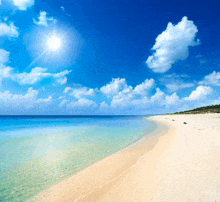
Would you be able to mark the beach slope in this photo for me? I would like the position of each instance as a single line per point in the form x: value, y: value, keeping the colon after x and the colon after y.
x: 179, y: 162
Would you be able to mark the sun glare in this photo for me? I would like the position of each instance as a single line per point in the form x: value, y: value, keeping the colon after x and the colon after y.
x: 54, y: 43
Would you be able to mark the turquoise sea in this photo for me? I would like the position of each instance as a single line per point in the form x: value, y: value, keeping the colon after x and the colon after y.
x: 38, y: 152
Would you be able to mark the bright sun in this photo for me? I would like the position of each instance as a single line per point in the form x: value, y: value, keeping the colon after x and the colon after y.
x: 54, y: 43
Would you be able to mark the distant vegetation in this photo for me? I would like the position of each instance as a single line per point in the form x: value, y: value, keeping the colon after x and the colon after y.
x: 202, y: 110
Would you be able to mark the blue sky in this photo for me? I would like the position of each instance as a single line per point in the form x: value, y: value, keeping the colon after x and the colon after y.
x: 108, y: 57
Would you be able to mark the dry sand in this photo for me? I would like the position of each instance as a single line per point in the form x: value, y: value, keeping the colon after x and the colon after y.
x: 181, y: 162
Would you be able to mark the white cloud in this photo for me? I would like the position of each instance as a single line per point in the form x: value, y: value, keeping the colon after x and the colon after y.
x: 23, y: 4
x: 216, y: 102
x: 23, y: 103
x: 158, y: 96
x: 61, y: 97
x: 211, y: 79
x: 63, y: 73
x: 4, y: 56
x: 172, y: 99
x: 62, y: 81
x: 104, y: 106
x: 43, y: 19
x: 39, y: 73
x: 123, y: 95
x: 80, y: 92
x: 36, y: 74
x: 175, y: 82
x: 172, y: 87
x: 64, y: 10
x: 84, y: 91
x: 82, y: 103
x: 63, y: 102
x: 15, y: 100
x: 47, y: 100
x: 172, y: 45
x: 144, y: 87
x: 200, y: 93
x: 5, y: 72
x: 9, y: 30
x: 114, y: 87
x: 67, y: 90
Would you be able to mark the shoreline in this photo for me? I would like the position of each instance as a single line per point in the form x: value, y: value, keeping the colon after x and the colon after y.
x: 127, y: 156
x: 179, y: 162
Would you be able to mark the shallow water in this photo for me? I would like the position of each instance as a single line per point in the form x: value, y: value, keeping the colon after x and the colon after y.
x: 38, y: 152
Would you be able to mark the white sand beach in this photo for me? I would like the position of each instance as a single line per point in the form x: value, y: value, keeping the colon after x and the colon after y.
x: 179, y: 162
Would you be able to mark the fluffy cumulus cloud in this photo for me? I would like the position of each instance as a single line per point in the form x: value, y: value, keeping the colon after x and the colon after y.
x: 124, y: 96
x: 158, y: 96
x: 172, y: 99
x: 43, y: 19
x: 119, y: 88
x: 144, y: 87
x: 200, y: 93
x: 79, y: 92
x: 24, y: 103
x: 23, y: 4
x: 8, y: 30
x: 145, y: 98
x: 211, y: 79
x: 114, y: 87
x: 173, y: 45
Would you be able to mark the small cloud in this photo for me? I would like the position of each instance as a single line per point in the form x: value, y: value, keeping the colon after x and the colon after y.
x: 104, y: 106
x: 202, y: 62
x: 67, y: 90
x: 200, y: 93
x: 47, y: 100
x: 23, y: 4
x: 172, y: 45
x: 84, y: 91
x: 6, y: 19
x: 43, y: 19
x: 172, y: 87
x: 8, y: 30
x: 5, y: 72
x: 64, y: 10
x: 62, y: 81
x: 63, y: 102
x: 175, y: 82
x: 61, y: 97
x: 4, y: 56
x: 198, y: 56
x: 80, y: 92
x: 211, y: 79
x: 36, y: 75
x: 82, y: 103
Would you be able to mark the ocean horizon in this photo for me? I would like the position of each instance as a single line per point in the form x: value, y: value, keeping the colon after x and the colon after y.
x: 40, y: 151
